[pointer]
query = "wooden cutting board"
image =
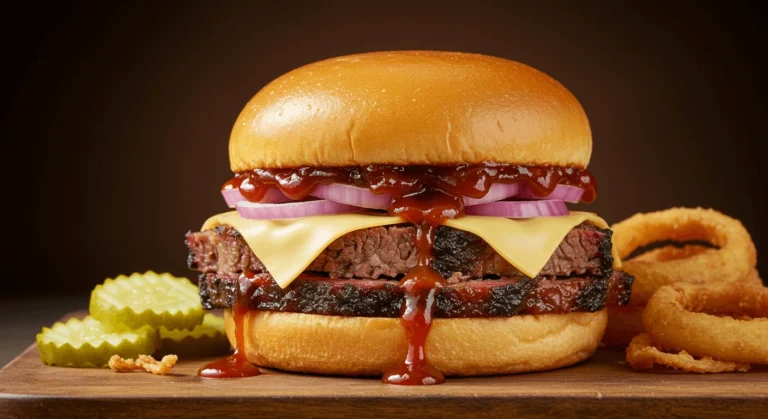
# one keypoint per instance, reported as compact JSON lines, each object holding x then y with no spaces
{"x":600,"y":387}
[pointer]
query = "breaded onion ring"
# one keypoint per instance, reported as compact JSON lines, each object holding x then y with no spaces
{"x":700,"y":320}
{"x":731,"y":262}
{"x":753,"y":279}
{"x":626,"y":322}
{"x":663,"y":254}
{"x":642,"y":354}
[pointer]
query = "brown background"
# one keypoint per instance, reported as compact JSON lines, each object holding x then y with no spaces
{"x":116,"y":118}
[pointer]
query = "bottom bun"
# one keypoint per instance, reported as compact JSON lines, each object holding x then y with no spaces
{"x":624,"y":323}
{"x":459,"y":347}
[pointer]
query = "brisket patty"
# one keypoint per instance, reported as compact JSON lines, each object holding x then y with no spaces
{"x":387,"y":252}
{"x":504,"y":297}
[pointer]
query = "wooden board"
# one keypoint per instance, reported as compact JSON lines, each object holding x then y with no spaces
{"x":600,"y":387}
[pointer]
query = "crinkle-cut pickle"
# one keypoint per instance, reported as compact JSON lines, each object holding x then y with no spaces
{"x":90,"y":343}
{"x":149,"y":299}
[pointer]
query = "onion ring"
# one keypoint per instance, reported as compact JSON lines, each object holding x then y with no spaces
{"x":731,"y":262}
{"x":663,"y":254}
{"x":753,"y":279}
{"x":626,"y":322}
{"x":642,"y":354}
{"x":700,"y":320}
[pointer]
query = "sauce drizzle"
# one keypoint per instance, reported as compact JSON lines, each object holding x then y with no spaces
{"x":420,"y":286}
{"x":426,"y":209}
{"x":473,"y":181}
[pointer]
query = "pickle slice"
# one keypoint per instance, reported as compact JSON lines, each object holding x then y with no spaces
{"x":208,"y":339}
{"x":148,"y":299}
{"x":90,"y":343}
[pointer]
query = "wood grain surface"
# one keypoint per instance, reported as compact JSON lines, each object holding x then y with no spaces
{"x":600,"y":387}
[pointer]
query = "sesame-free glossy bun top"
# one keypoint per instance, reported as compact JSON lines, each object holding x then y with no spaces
{"x":411,"y":108}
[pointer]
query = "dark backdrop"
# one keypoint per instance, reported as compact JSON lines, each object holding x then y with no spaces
{"x":116,"y":118}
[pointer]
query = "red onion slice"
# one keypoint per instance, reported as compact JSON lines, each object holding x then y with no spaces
{"x":520,"y":209}
{"x":257,"y":211}
{"x":496,"y":192}
{"x":364,"y":198}
{"x":273,"y":195}
{"x":565,"y":193}
{"x":351,"y":195}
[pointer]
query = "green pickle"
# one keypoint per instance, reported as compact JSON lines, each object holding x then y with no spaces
{"x":149,"y":299}
{"x":207,"y":339}
{"x":132,"y":316}
{"x":90,"y":343}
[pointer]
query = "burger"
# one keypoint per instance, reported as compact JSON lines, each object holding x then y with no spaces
{"x":403,"y":215}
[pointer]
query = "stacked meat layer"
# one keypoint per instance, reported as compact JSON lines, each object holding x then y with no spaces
{"x":357,"y":275}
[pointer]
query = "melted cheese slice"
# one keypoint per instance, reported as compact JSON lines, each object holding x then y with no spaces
{"x":287,"y":247}
{"x":527,"y":244}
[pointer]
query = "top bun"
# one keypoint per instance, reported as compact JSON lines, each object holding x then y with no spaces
{"x":411,"y":108}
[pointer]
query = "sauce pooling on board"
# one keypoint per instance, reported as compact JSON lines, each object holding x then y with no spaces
{"x":237,"y":364}
{"x":422,"y":195}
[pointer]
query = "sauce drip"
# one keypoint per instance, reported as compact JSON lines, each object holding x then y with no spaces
{"x":420,"y":286}
{"x":235,"y":365}
{"x":422,"y":195}
{"x":426,"y":209}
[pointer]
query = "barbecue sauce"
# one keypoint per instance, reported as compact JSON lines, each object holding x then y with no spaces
{"x":425,"y":209}
{"x":422,"y":195}
{"x":237,"y":364}
{"x":473,"y":181}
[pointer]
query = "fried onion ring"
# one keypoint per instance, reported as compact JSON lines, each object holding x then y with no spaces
{"x":700,"y":320}
{"x":642,"y":354}
{"x":733,"y":259}
{"x":663,"y":254}
{"x":753,"y":279}
{"x":626,"y":322}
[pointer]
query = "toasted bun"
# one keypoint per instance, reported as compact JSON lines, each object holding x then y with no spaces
{"x":368,"y":346}
{"x":624,"y":323}
{"x":408,"y":108}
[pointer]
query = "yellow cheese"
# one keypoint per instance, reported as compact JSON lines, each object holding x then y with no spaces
{"x":287,"y":247}
{"x":527,"y":244}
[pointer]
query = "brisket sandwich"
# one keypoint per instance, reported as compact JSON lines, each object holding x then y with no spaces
{"x":403,"y":214}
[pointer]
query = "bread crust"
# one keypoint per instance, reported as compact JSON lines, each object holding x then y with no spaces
{"x":411,"y":108}
{"x":338,"y":345}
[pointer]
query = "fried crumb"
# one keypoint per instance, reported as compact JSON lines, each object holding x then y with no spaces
{"x":146,"y":362}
